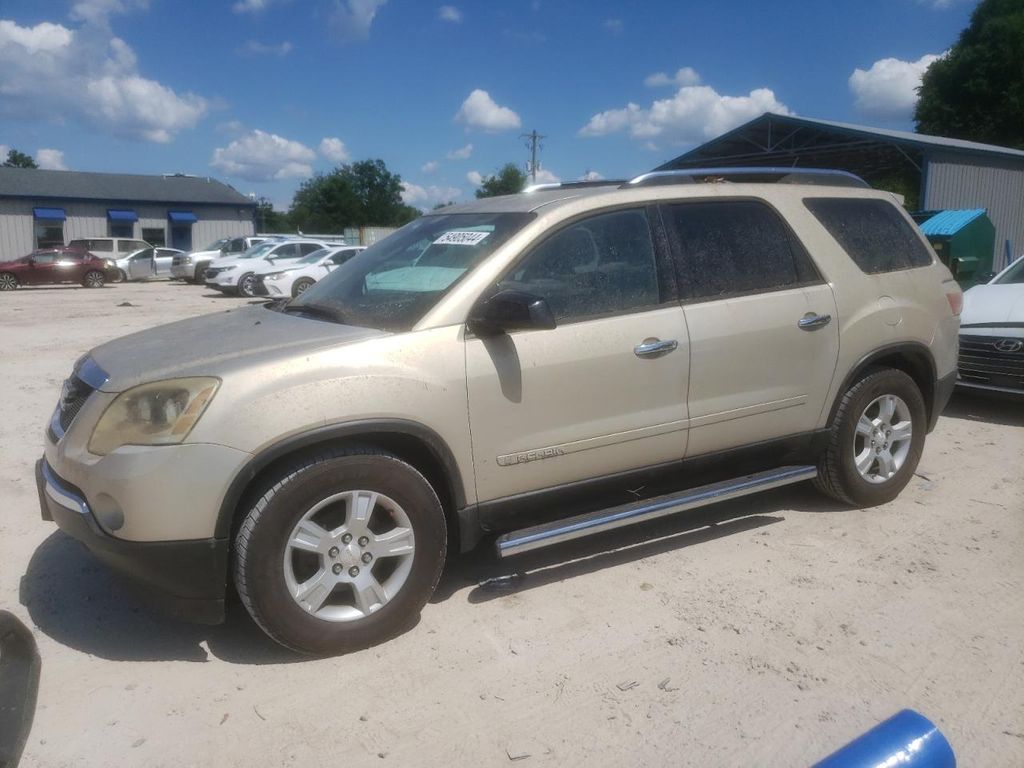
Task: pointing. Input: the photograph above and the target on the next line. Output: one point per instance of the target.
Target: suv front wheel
(876, 439)
(342, 552)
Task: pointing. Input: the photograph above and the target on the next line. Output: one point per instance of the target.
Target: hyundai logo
(1009, 345)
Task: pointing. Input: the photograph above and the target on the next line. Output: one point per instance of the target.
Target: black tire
(301, 285)
(260, 546)
(94, 279)
(199, 274)
(247, 285)
(838, 476)
(8, 281)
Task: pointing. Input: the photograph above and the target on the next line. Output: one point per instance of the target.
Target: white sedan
(299, 276)
(992, 333)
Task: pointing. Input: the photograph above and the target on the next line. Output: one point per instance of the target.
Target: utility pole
(533, 144)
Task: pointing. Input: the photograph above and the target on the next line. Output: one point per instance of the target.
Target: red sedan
(49, 266)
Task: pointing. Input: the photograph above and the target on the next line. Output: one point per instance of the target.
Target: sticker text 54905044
(461, 237)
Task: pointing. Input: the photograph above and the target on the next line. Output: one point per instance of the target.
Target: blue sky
(263, 93)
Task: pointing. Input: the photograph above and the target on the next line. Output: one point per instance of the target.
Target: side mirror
(511, 311)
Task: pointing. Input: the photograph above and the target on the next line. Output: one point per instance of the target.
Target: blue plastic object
(905, 740)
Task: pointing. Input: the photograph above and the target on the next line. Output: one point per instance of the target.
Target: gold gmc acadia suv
(704, 334)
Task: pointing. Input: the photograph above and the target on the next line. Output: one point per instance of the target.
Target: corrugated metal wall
(17, 225)
(958, 181)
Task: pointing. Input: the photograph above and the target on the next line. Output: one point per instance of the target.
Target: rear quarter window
(872, 232)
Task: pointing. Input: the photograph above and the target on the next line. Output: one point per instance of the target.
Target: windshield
(1014, 275)
(394, 283)
(216, 245)
(256, 251)
(314, 257)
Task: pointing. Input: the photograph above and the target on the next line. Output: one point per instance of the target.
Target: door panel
(587, 398)
(755, 374)
(552, 407)
(141, 266)
(67, 269)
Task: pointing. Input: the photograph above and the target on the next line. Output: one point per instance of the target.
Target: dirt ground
(767, 631)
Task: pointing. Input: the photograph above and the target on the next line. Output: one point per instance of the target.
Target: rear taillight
(955, 297)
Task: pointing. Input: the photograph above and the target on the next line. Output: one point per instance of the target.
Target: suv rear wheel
(342, 552)
(876, 441)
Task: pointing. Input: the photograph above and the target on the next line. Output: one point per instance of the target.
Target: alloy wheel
(349, 555)
(8, 282)
(882, 439)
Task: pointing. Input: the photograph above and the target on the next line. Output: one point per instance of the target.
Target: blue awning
(122, 215)
(182, 217)
(49, 214)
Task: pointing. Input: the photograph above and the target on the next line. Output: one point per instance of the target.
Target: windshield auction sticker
(461, 237)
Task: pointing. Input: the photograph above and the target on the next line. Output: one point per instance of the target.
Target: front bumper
(187, 579)
(943, 391)
(182, 271)
(223, 280)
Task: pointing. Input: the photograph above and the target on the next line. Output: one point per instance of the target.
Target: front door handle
(653, 347)
(812, 322)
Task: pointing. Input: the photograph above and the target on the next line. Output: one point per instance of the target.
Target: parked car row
(242, 275)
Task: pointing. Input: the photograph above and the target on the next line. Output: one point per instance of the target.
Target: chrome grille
(982, 362)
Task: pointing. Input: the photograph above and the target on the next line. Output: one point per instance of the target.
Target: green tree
(16, 159)
(976, 91)
(507, 181)
(358, 194)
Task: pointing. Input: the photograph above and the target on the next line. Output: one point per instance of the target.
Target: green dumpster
(964, 240)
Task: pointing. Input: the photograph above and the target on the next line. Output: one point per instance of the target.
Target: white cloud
(544, 176)
(334, 150)
(50, 160)
(256, 48)
(97, 11)
(480, 111)
(352, 19)
(449, 13)
(591, 176)
(888, 90)
(429, 167)
(475, 178)
(694, 114)
(682, 77)
(428, 197)
(261, 156)
(614, 26)
(250, 6)
(50, 70)
(462, 153)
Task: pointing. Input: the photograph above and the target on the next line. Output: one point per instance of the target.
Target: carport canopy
(49, 214)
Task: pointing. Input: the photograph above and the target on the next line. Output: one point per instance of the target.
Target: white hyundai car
(237, 274)
(992, 334)
(297, 277)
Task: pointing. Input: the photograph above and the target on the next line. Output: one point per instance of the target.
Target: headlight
(226, 269)
(187, 260)
(278, 276)
(161, 413)
(109, 264)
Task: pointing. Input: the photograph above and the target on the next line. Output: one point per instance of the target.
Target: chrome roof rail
(755, 175)
(575, 184)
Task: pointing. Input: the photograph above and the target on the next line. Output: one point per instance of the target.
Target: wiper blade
(317, 311)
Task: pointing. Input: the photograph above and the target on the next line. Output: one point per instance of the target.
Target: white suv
(238, 274)
(595, 354)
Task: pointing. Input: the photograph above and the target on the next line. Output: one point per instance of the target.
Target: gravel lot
(768, 631)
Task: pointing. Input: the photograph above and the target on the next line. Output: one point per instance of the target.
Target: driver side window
(601, 265)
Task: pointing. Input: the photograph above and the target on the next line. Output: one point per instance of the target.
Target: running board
(602, 520)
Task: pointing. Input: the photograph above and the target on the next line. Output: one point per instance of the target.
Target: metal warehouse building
(949, 173)
(39, 209)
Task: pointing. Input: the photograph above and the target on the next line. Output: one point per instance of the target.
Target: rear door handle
(812, 322)
(653, 347)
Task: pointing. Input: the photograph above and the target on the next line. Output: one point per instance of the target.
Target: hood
(204, 254)
(212, 345)
(993, 304)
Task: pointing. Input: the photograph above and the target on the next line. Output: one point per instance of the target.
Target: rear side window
(872, 232)
(735, 247)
